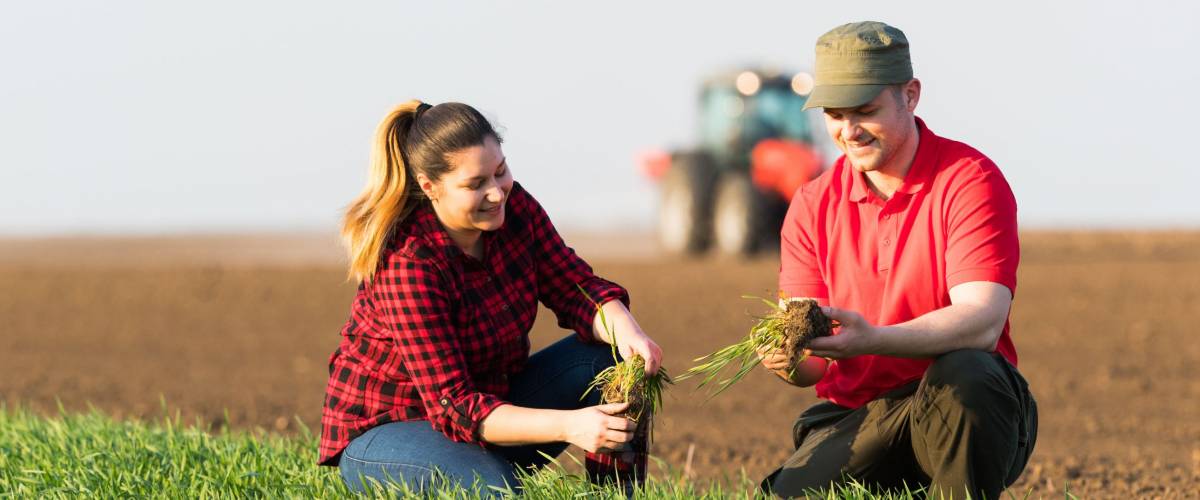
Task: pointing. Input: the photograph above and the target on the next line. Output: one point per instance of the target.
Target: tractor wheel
(738, 222)
(684, 212)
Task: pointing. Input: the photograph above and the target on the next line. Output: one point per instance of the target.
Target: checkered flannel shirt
(436, 333)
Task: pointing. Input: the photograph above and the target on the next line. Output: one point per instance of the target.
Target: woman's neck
(469, 240)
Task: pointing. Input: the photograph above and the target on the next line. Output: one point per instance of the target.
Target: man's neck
(886, 180)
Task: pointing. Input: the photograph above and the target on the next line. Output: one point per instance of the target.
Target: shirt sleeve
(411, 298)
(561, 274)
(981, 230)
(799, 261)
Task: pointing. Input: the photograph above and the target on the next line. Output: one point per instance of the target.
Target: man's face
(871, 134)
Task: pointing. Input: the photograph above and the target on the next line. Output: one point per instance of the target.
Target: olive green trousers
(966, 428)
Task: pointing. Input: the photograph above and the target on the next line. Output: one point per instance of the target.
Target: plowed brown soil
(241, 328)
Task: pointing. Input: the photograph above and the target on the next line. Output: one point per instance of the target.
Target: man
(910, 243)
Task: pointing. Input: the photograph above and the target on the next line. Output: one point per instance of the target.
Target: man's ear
(912, 94)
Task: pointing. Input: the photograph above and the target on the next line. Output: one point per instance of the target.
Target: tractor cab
(756, 147)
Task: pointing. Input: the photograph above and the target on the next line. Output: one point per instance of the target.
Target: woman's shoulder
(524, 211)
(413, 242)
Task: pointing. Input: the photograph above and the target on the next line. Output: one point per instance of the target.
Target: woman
(433, 370)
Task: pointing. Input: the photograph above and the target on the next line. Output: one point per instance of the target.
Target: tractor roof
(758, 77)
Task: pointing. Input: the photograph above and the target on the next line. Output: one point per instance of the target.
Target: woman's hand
(641, 345)
(630, 338)
(600, 428)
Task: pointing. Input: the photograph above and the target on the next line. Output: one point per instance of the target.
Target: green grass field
(92, 455)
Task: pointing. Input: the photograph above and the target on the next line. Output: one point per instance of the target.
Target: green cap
(855, 62)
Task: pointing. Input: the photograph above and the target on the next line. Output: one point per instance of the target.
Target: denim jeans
(409, 452)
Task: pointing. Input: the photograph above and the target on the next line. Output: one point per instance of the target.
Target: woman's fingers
(621, 424)
(613, 408)
(618, 437)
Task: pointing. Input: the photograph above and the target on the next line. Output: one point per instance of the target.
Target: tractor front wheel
(739, 212)
(685, 209)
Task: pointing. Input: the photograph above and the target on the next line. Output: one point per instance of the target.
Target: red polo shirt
(953, 220)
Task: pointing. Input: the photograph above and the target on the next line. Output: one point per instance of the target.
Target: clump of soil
(627, 382)
(801, 321)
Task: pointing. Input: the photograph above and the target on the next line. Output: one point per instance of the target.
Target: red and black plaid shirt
(436, 334)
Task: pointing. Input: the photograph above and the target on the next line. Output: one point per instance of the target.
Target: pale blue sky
(244, 116)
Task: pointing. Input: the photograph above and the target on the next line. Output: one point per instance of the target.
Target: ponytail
(389, 197)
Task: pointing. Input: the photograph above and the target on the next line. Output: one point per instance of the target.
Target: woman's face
(471, 196)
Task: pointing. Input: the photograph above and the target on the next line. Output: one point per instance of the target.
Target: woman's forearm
(615, 321)
(511, 425)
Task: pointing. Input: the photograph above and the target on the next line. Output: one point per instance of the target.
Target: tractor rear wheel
(685, 209)
(738, 222)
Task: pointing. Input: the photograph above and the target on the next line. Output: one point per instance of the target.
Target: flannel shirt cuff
(462, 416)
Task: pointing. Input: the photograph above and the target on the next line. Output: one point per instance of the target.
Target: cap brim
(842, 96)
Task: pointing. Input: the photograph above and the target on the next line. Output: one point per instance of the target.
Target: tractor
(757, 147)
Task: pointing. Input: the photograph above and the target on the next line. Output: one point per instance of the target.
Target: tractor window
(796, 122)
(778, 112)
(721, 111)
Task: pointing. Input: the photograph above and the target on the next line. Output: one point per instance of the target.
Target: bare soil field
(239, 329)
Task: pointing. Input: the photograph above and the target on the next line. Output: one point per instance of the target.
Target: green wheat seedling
(627, 381)
(789, 328)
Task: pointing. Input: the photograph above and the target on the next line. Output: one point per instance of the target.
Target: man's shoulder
(957, 156)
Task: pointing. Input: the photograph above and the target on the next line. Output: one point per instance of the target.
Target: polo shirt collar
(922, 166)
(914, 180)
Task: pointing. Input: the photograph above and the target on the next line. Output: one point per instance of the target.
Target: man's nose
(851, 131)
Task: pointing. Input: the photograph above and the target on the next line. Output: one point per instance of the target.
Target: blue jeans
(409, 452)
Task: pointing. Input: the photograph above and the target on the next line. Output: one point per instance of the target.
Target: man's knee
(972, 377)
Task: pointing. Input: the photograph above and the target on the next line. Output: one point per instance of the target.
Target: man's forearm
(807, 374)
(954, 327)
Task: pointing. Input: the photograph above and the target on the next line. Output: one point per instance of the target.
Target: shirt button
(887, 241)
(504, 307)
(444, 401)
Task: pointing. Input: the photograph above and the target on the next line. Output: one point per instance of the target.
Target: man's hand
(774, 360)
(808, 373)
(854, 337)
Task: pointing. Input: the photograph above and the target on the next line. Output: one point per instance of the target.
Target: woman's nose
(495, 194)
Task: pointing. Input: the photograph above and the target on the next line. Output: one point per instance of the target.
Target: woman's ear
(427, 186)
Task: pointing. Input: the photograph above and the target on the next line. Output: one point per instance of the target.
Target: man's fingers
(832, 312)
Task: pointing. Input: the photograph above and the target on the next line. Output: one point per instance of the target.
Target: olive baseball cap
(855, 62)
